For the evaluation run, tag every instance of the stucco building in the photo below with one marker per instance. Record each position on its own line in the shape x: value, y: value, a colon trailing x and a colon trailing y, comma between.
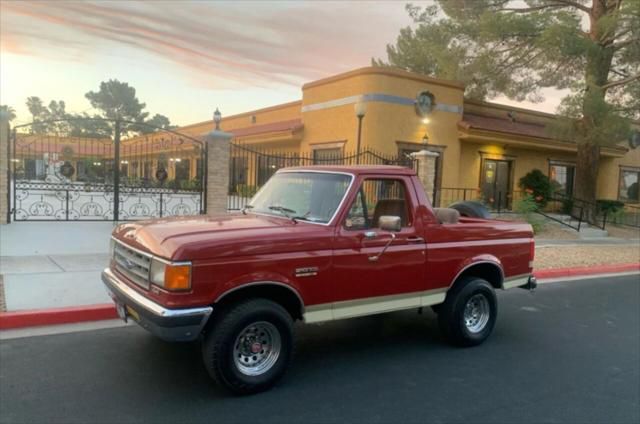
x: 482, y: 146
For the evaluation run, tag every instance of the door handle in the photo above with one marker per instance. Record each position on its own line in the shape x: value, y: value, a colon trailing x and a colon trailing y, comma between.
x: 415, y: 239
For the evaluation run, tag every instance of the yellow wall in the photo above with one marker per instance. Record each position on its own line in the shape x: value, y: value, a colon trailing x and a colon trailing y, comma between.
x: 384, y: 123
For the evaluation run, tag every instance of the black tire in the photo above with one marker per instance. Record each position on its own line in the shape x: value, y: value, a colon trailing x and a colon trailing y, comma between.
x: 471, y: 209
x: 451, y: 317
x: 218, y: 345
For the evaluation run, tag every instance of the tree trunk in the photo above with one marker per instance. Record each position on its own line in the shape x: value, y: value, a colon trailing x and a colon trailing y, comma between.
x: 598, y: 65
x: 587, y: 164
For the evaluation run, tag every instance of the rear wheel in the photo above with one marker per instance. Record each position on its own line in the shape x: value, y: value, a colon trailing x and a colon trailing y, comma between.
x: 250, y: 346
x: 469, y: 313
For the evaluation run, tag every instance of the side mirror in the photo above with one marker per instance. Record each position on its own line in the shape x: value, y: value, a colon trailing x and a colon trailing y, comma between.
x: 390, y: 223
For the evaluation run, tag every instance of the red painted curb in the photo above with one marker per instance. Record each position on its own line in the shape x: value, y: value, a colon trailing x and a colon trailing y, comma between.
x: 53, y: 316
x: 41, y: 317
x: 586, y: 270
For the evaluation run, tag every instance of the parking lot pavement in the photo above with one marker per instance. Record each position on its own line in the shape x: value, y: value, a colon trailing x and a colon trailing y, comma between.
x: 569, y: 352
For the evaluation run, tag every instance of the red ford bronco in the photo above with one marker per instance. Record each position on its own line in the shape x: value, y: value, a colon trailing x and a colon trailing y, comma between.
x: 315, y: 244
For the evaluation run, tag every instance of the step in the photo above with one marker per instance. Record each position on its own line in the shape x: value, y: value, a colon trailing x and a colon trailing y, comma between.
x: 591, y: 233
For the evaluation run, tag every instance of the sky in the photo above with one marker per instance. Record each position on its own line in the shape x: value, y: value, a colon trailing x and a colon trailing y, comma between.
x: 185, y: 58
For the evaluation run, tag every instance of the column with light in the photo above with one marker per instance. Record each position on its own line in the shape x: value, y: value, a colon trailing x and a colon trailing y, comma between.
x: 361, y: 110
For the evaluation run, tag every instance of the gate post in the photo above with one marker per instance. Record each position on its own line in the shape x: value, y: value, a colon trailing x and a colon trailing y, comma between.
x: 217, y: 175
x: 427, y: 171
x: 116, y: 171
x: 5, y: 178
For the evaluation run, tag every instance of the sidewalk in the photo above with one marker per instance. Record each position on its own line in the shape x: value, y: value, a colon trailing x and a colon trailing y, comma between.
x: 53, y: 281
x: 53, y: 264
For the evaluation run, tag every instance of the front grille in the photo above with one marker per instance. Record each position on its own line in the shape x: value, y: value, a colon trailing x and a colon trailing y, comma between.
x: 133, y: 264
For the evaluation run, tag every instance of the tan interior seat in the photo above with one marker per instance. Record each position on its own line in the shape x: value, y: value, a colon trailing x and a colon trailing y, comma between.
x: 447, y: 215
x: 393, y: 207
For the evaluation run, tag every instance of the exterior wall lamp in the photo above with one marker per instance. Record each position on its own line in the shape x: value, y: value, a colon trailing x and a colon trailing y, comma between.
x: 361, y: 110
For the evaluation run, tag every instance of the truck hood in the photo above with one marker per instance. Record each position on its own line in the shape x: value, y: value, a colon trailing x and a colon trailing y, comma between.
x: 233, y: 235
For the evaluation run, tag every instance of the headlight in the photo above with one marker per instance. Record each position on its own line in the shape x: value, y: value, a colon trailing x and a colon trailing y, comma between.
x: 170, y: 276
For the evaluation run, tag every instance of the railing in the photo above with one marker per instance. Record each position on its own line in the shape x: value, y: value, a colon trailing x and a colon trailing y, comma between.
x: 629, y: 216
x: 500, y: 202
x: 42, y: 201
x: 251, y: 166
x: 504, y: 202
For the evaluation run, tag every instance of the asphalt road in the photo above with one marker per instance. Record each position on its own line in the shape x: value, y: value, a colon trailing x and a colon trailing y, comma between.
x: 568, y: 353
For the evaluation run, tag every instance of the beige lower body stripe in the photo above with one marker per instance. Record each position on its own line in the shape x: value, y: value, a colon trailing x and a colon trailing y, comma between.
x: 373, y: 305
x: 517, y: 281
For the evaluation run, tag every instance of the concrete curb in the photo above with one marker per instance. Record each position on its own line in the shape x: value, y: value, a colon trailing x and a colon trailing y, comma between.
x: 55, y: 316
x: 585, y: 270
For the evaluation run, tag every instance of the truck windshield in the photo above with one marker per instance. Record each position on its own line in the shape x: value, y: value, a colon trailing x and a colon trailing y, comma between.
x: 305, y: 196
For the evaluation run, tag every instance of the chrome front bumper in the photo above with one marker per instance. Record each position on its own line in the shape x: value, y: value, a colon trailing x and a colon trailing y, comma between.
x: 167, y: 324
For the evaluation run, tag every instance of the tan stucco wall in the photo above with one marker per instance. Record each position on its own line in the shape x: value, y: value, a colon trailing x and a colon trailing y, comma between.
x: 385, y: 123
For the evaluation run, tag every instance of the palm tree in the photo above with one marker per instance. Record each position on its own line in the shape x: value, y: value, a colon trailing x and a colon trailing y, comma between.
x: 8, y: 110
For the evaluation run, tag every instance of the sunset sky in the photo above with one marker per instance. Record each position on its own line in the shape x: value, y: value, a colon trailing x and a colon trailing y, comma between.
x: 187, y: 58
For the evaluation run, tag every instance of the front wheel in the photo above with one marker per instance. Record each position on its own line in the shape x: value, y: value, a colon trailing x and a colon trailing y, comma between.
x: 249, y: 348
x: 469, y: 313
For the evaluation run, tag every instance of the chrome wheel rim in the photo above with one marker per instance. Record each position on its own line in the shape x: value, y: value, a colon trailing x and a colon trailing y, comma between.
x: 257, y: 348
x: 476, y: 313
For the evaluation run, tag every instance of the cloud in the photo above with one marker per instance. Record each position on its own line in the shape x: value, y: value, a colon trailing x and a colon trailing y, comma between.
x: 222, y: 43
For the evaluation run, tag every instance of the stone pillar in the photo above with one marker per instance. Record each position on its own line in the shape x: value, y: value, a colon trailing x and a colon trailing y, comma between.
x: 4, y: 166
x: 218, y: 145
x: 427, y: 171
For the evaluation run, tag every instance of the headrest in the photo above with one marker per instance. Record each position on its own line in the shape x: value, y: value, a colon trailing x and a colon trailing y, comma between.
x: 447, y: 215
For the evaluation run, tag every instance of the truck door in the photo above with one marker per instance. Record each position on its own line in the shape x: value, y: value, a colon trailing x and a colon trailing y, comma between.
x: 366, y: 279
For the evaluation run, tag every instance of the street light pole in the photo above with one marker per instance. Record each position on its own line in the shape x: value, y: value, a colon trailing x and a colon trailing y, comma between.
x: 361, y: 110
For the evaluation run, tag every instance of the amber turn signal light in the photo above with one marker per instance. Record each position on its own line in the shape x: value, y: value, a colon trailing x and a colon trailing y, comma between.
x: 177, y: 277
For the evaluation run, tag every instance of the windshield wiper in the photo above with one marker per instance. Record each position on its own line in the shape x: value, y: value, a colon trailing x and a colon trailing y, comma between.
x: 244, y: 210
x: 289, y: 213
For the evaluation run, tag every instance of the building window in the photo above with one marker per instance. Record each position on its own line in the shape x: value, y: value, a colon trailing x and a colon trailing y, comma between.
x: 330, y: 156
x: 147, y: 169
x: 628, y: 187
x: 182, y: 168
x: 562, y: 177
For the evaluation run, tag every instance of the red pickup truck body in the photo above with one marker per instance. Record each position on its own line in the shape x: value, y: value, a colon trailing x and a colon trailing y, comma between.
x: 318, y: 271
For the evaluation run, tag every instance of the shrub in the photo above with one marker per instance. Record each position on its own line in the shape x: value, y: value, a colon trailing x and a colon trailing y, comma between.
x: 527, y: 207
x: 537, y: 185
x: 245, y: 190
x: 609, y: 206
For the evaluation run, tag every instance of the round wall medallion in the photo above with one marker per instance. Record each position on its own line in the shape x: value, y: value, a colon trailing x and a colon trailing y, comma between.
x: 67, y: 170
x: 425, y: 101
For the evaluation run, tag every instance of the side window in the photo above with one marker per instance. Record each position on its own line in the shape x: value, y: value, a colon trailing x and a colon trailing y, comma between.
x: 375, y: 198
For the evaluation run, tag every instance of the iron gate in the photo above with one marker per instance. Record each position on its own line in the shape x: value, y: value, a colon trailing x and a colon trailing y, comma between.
x: 250, y: 167
x: 93, y: 169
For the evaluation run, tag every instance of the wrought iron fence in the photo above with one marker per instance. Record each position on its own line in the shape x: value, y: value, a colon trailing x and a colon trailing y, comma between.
x: 99, y: 169
x: 499, y: 201
x: 251, y: 166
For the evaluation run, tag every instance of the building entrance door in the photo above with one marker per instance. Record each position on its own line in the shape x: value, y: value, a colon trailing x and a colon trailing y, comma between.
x: 496, y: 181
